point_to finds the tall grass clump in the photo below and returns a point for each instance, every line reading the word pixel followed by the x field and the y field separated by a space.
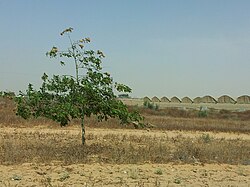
pixel 150 105
pixel 203 112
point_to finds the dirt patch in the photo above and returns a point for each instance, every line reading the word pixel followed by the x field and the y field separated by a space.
pixel 55 174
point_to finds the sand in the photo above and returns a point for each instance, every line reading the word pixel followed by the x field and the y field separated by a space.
pixel 31 174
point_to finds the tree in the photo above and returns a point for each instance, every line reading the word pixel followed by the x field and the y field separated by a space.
pixel 89 92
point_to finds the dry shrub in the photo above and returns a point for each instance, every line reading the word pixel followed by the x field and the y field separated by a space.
pixel 209 150
pixel 45 148
pixel 138 149
pixel 7 111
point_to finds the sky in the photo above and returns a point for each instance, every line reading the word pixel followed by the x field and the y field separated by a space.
pixel 157 47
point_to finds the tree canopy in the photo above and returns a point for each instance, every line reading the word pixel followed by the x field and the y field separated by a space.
pixel 90 91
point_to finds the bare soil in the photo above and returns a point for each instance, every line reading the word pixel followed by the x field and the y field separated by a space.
pixel 32 174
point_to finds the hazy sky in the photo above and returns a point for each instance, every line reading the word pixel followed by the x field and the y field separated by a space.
pixel 157 47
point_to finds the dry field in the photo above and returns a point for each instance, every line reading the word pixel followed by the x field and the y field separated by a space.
pixel 178 148
pixel 219 106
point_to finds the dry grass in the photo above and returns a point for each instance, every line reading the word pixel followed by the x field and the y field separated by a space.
pixel 16 148
pixel 39 147
pixel 182 119
pixel 198 124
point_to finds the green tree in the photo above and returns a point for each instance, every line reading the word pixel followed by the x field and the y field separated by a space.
pixel 89 92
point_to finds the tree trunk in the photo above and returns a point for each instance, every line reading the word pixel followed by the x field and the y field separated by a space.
pixel 83 131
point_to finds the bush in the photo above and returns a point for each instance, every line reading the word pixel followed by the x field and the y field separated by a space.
pixel 203 112
pixel 150 105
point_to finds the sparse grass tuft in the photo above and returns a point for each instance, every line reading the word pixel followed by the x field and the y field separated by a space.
pixel 206 138
pixel 63 176
pixel 133 173
pixel 177 180
pixel 158 171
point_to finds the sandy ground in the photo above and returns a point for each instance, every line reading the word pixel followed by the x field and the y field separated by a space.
pixel 97 174
pixel 31 174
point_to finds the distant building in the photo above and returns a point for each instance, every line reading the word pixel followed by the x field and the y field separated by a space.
pixel 186 100
pixel 208 99
pixel 244 99
pixel 165 99
pixel 197 100
pixel 226 99
pixel 175 100
pixel 155 99
pixel 146 99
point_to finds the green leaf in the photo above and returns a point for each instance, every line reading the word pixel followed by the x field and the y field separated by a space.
pixel 88 92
